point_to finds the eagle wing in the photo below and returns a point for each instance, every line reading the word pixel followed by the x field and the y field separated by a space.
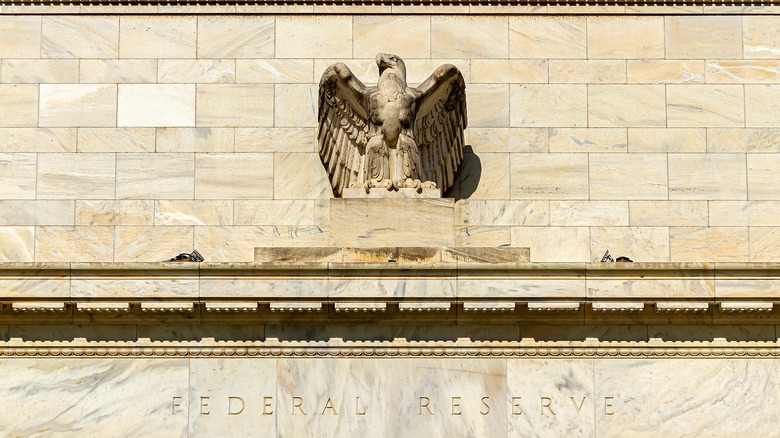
pixel 438 128
pixel 343 125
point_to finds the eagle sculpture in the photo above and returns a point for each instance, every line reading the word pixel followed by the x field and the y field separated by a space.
pixel 391 136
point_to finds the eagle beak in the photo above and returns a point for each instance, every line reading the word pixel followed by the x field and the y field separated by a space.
pixel 380 61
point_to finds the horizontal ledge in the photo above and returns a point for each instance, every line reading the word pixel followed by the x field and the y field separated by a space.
pixel 388 3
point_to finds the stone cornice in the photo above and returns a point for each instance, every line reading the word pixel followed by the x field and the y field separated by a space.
pixel 390 290
pixel 400 7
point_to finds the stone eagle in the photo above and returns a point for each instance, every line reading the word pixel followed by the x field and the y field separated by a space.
pixel 391 136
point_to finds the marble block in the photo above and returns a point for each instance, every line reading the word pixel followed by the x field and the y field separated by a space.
pixel 392 222
pixel 93 396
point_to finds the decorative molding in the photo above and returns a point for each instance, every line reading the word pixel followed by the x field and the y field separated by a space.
pixel 746 307
pixel 368 4
pixel 542 306
pixel 379 352
pixel 296 306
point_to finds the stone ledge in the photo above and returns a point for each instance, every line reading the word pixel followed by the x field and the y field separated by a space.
pixel 288 289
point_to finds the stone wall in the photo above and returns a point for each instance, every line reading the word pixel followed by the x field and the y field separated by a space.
pixel 133 138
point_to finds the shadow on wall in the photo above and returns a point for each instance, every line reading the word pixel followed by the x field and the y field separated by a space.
pixel 467 179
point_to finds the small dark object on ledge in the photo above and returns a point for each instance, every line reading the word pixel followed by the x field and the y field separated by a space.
pixel 194 256
pixel 608 258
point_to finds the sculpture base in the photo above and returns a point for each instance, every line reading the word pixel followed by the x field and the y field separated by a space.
pixel 379 193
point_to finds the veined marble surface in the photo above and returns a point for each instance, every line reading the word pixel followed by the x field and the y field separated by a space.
pixel 447 397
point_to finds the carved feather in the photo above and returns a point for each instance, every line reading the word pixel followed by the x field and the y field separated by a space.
pixel 343 127
pixel 438 128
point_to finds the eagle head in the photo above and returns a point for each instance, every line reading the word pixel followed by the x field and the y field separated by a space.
pixel 387 61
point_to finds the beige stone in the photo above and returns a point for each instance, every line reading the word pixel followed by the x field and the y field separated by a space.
pixel 276 140
pixel 671 285
pixel 365 69
pixel 98 212
pixel 20 36
pixel 302 37
pixel 703 37
pixel 235 37
pixel 405 36
pixel 726 140
pixel 116 140
pixel 640 244
pixel 76 176
pixel 628 176
pixel 74 244
pixel 469 37
pixel 549 176
pixel 659 140
pixel 547 37
pixel 295 105
pixel 707 176
pixel 195 139
pixel 19 105
pixel 743 72
pixel 705 105
pixel 549 105
pixel 157 37
pixel 210 71
pixel 418 70
pixel 237 243
pixel 665 71
pixel 234 105
pixel 589 213
pixel 504 212
pixel 761 36
pixel 488 105
pixel 579 71
pixel 39 71
pixel 625 37
pixel 483 236
pixel 374 222
pixel 38 139
pixel 300 176
pixel 152 244
pixel 156 105
pixel 513 71
pixel 744 213
pixel 18 172
pixel 79 37
pixel 119 71
pixel 158 176
pixel 626 105
pixel 36 212
pixel 91 105
pixel 276 212
pixel 197 212
pixel 495 176
pixel 714 244
pixel 762 176
pixel 274 71
pixel 587 140
pixel 507 139
pixel 761 105
pixel 764 244
pixel 234 176
pixel 17 244
pixel 668 213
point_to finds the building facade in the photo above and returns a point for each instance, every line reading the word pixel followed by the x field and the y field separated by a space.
pixel 130 133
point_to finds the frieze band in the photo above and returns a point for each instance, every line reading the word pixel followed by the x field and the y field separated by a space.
pixel 638 352
pixel 398 3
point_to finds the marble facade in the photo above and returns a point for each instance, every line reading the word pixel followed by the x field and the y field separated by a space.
pixel 132 133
